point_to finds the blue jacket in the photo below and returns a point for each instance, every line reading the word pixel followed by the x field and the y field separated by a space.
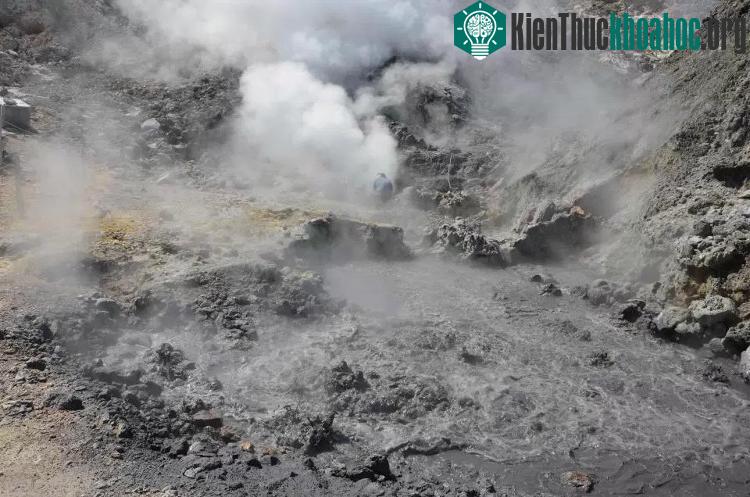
pixel 382 185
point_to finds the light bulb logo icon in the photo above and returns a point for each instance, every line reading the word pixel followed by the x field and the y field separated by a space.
pixel 479 30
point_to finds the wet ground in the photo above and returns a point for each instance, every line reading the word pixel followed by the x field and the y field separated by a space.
pixel 465 370
pixel 469 378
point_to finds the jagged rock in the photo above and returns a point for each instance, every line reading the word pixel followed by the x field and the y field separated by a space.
pixel 109 306
pixel 602 292
pixel 343 238
pixel 108 375
pixel 37 363
pixel 713 309
pixel 428 447
pixel 555 238
pixel 601 359
pixel 670 317
pixel 456 203
pixel 410 396
pixel 551 289
pixel 375 467
pixel 299 294
pixel 321 435
pixel 578 480
pixel 717 348
pixel 713 372
pixel 170 363
pixel 386 241
pixel 737 338
pixel 70 403
pixel 466 239
pixel 17 407
pixel 207 417
pixel 343 378
pixel 632 310
pixel 543 278
pixel 688 330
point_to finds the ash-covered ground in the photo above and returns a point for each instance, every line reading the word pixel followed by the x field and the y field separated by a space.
pixel 201 295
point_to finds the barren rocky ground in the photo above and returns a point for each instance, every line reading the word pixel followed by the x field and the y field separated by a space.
pixel 524 325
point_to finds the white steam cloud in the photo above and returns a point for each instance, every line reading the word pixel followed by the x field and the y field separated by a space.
pixel 312 94
pixel 290 117
pixel 334 38
pixel 297 117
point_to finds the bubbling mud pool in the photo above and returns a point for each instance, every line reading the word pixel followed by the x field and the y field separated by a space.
pixel 519 383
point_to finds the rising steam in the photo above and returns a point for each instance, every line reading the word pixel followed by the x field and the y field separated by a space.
pixel 300 58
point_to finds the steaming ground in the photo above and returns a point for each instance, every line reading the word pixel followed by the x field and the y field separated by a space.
pixel 514 379
pixel 524 386
pixel 153 306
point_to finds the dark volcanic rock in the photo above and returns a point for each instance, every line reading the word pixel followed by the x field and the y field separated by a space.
pixel 406 396
pixel 108 375
pixel 554 239
pixel 341 239
pixel 602 292
pixel 712 310
pixel 207 417
pixel 374 468
pixel 321 436
pixel 37 363
pixel 737 338
pixel 601 359
pixel 170 362
pixel 579 480
pixel 466 240
pixel 233 295
pixel 342 378
pixel 711 371
pixel 70 403
pixel 552 290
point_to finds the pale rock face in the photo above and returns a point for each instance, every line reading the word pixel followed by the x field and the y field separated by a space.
pixel 744 365
pixel 712 310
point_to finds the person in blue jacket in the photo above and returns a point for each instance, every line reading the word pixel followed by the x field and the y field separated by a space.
pixel 383 187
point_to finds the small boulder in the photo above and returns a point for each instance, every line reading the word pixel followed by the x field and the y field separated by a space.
pixel 150 125
pixel 737 338
pixel 631 311
pixel 599 292
pixel 601 359
pixel 375 467
pixel 552 290
pixel 208 417
pixel 386 241
pixel 717 348
pixel 343 378
pixel 109 306
pixel 37 363
pixel 321 434
pixel 466 240
pixel 347 239
pixel 578 480
pixel 713 372
pixel 670 317
pixel 714 309
pixel 70 403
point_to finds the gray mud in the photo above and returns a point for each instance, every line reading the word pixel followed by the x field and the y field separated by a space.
pixel 172 327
